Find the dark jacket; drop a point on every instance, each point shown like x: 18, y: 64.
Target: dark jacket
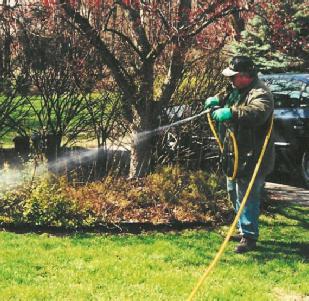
x: 252, y: 114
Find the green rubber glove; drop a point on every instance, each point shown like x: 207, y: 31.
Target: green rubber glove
x: 223, y: 114
x: 211, y: 102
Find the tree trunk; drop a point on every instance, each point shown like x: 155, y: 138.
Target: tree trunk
x: 141, y: 150
x: 53, y: 142
x: 143, y: 139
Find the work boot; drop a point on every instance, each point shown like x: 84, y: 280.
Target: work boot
x: 236, y: 237
x: 245, y: 245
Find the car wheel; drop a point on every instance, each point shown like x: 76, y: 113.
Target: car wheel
x: 305, y: 168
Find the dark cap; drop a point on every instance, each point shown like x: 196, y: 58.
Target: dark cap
x: 239, y: 64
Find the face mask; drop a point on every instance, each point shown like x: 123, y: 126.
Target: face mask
x: 241, y: 81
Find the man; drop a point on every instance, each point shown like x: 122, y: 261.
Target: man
x: 247, y: 110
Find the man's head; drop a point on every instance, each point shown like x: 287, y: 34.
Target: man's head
x: 241, y: 71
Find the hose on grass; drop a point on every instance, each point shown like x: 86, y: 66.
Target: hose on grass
x: 232, y: 228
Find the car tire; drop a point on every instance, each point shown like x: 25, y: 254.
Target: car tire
x: 305, y: 168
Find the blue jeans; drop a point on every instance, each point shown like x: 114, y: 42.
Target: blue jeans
x: 248, y: 223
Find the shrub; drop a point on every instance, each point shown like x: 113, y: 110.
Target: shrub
x: 47, y: 205
x: 171, y: 194
x: 11, y: 206
x: 43, y: 203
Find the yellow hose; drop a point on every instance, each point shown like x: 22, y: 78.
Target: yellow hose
x: 231, y: 230
x: 213, y: 130
x: 235, y: 146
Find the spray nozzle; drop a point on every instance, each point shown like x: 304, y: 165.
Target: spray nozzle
x: 210, y: 110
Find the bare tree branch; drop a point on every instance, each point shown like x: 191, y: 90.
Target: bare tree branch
x: 138, y: 27
x: 127, y: 85
x: 175, y: 72
x: 225, y: 12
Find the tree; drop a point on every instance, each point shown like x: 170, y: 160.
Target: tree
x: 5, y: 44
x: 53, y: 59
x: 105, y: 115
x: 277, y: 37
x: 12, y: 102
x: 146, y: 45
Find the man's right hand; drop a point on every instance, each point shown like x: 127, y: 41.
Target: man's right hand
x: 211, y: 102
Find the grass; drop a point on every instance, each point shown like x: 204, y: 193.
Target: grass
x: 158, y: 266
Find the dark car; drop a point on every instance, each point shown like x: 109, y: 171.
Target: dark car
x: 291, y: 124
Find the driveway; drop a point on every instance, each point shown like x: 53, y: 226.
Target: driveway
x: 281, y: 192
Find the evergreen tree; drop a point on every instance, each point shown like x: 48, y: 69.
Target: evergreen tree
x: 278, y: 42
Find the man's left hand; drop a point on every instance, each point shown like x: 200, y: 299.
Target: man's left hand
x: 223, y: 114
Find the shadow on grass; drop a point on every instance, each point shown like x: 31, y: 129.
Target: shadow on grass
x: 268, y: 249
x: 112, y: 228
x: 290, y: 211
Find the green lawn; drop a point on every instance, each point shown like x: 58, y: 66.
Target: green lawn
x: 158, y: 266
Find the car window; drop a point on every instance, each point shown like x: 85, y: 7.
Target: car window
x: 304, y: 100
x: 286, y: 93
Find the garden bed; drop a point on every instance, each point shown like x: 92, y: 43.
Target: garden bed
x: 170, y: 198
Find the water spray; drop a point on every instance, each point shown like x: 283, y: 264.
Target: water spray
x: 145, y: 134
x: 12, y: 177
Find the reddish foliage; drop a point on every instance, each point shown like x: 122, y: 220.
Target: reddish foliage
x: 126, y: 2
x: 160, y: 198
x: 279, y: 16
